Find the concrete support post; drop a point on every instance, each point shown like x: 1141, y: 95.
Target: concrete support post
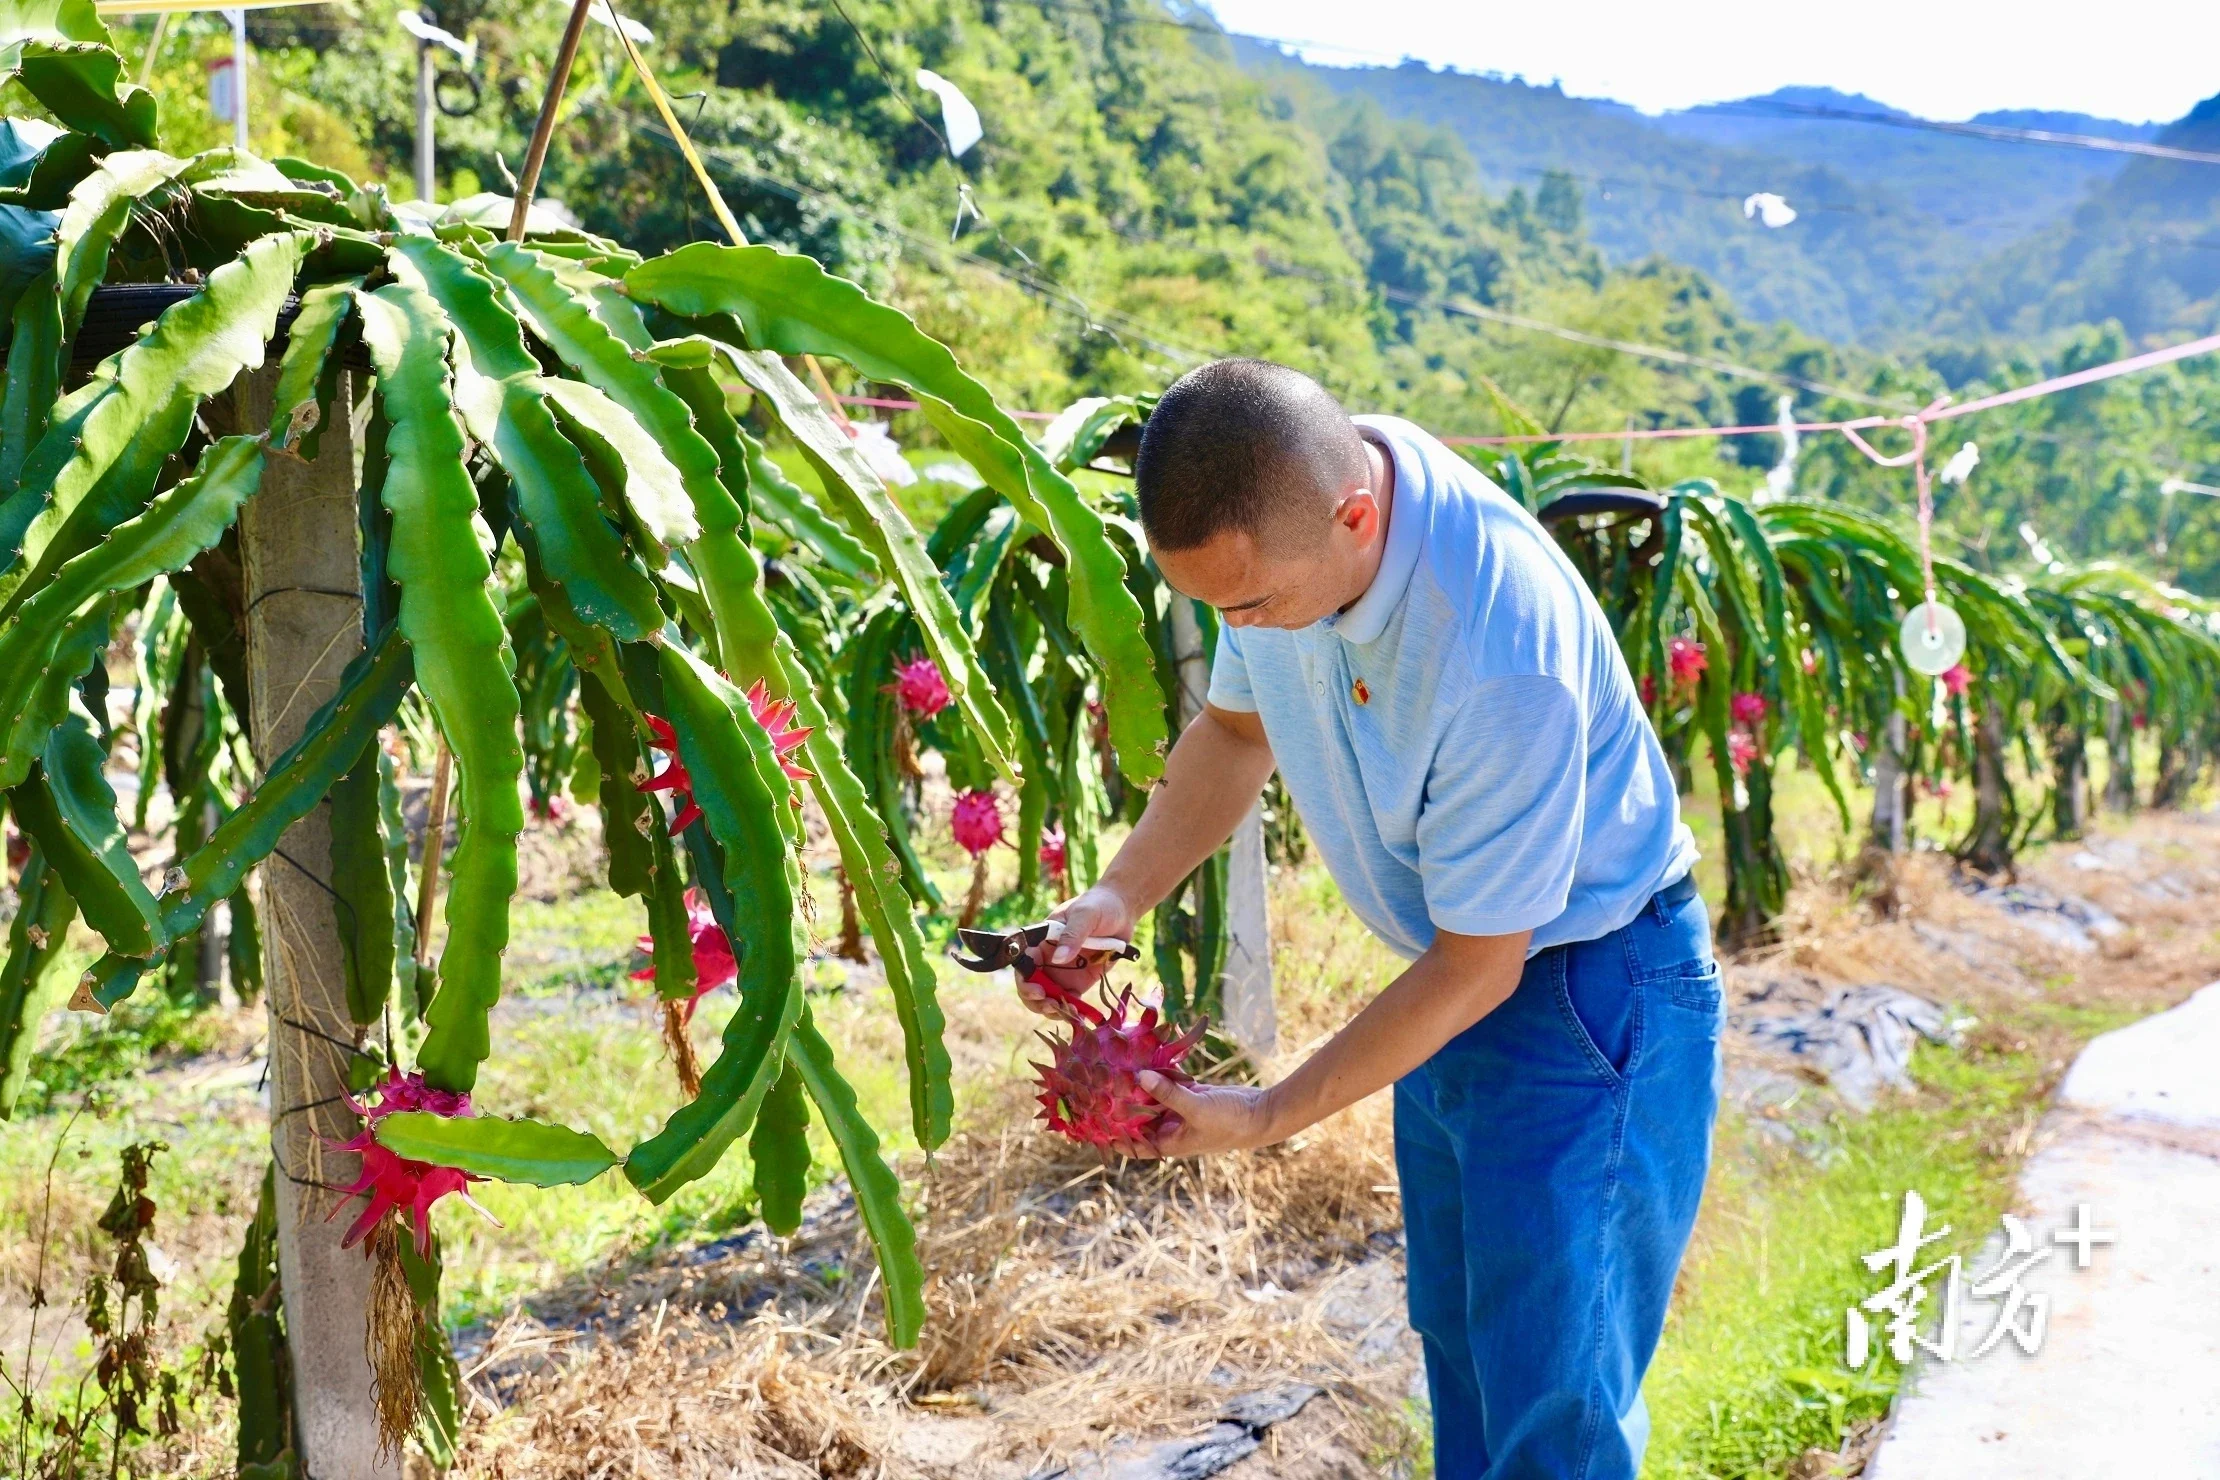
x: 1889, y: 788
x: 303, y: 579
x: 1252, y: 1021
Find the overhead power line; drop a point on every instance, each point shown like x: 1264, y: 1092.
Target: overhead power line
x: 1030, y: 279
x: 1156, y: 339
x: 1663, y: 353
x: 1761, y: 107
x: 1606, y: 184
x: 1065, y: 297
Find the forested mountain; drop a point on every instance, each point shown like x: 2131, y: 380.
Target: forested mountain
x: 2142, y: 249
x: 1145, y: 198
x: 1139, y: 203
x: 1889, y: 216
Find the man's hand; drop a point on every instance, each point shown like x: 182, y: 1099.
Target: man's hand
x: 1100, y: 912
x: 1203, y: 1119
x: 1459, y: 980
x: 1215, y: 771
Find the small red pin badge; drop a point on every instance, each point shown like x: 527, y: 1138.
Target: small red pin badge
x: 1360, y: 693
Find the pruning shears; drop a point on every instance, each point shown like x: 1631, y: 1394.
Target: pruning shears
x: 1025, y: 950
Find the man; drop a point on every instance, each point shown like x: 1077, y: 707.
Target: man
x: 1455, y: 723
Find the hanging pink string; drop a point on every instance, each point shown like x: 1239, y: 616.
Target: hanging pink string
x: 1916, y: 424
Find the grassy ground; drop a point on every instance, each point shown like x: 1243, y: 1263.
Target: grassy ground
x: 1748, y: 1380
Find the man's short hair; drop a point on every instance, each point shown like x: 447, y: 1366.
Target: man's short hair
x: 1244, y: 445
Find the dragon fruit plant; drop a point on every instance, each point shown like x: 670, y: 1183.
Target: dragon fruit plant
x: 540, y: 410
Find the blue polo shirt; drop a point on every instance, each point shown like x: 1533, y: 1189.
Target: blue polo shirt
x: 1465, y: 743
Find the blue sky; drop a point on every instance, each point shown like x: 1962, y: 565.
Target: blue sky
x: 2130, y: 59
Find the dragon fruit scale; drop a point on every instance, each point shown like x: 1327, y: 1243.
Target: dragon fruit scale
x: 1089, y: 1091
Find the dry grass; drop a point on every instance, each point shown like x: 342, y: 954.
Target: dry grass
x: 1070, y: 1301
x: 2159, y: 880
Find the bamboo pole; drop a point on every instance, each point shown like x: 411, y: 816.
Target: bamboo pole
x: 535, y: 154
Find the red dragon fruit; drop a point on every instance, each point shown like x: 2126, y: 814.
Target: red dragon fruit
x: 714, y: 965
x: 977, y: 821
x: 777, y: 719
x: 977, y: 824
x: 1684, y: 656
x: 920, y: 687
x: 673, y: 778
x: 391, y: 1180
x: 1742, y: 748
x: 1089, y: 1091
x: 1747, y: 709
x: 1956, y: 680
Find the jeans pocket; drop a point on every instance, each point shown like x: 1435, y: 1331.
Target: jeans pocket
x: 1602, y: 1010
x: 1697, y: 988
x: 1671, y: 944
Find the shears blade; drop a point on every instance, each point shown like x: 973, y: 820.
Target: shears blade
x: 999, y: 950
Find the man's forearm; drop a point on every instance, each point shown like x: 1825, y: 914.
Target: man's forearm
x: 1213, y: 775
x: 1455, y: 984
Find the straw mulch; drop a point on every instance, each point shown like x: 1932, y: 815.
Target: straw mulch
x: 1070, y: 1303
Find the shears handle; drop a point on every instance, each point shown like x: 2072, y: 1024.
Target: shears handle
x: 1064, y: 997
x: 1110, y: 943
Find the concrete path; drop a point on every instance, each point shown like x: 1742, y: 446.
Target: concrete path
x: 2126, y: 1381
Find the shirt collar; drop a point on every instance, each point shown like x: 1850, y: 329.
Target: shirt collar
x: 1406, y: 533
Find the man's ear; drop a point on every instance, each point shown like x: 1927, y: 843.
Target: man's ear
x: 1359, y: 513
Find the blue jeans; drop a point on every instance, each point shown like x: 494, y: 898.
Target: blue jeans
x: 1551, y: 1159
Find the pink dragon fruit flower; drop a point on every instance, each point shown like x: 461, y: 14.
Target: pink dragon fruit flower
x: 920, y: 687
x: 391, y: 1180
x: 714, y: 963
x: 1684, y: 656
x: 977, y: 821
x: 1747, y: 709
x: 775, y: 715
